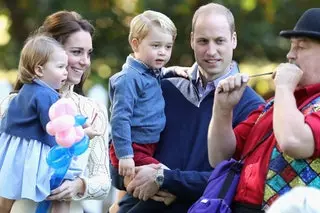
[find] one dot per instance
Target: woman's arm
(95, 183)
(97, 179)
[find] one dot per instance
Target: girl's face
(78, 47)
(54, 72)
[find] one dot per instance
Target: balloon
(66, 138)
(63, 106)
(58, 157)
(52, 112)
(81, 146)
(80, 120)
(79, 133)
(51, 131)
(63, 123)
(66, 126)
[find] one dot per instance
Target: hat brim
(300, 33)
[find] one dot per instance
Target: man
(183, 143)
(290, 156)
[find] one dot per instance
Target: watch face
(160, 179)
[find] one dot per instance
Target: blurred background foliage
(258, 23)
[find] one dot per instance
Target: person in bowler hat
(290, 154)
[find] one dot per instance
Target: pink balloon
(50, 129)
(63, 106)
(66, 138)
(66, 106)
(63, 123)
(79, 133)
(52, 112)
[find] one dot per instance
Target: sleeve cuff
(167, 177)
(85, 194)
(126, 157)
(311, 121)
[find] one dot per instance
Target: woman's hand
(67, 190)
(88, 130)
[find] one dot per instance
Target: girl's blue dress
(24, 172)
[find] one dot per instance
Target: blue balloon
(80, 147)
(59, 158)
(80, 120)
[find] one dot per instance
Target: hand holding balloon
(66, 126)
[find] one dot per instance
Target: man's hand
(163, 196)
(287, 75)
(230, 90)
(143, 186)
(126, 167)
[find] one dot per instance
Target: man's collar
(307, 91)
(195, 75)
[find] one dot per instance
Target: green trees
(258, 23)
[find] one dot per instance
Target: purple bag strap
(236, 168)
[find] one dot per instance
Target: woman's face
(78, 47)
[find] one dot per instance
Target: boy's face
(155, 49)
(54, 72)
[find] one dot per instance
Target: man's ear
(191, 40)
(134, 44)
(39, 71)
(234, 40)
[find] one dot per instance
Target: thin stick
(261, 74)
(94, 118)
(252, 76)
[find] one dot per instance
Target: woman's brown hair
(60, 26)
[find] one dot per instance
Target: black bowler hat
(307, 26)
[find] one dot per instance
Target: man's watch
(159, 177)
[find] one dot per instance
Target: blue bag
(222, 185)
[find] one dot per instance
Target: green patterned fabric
(285, 172)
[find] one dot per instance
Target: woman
(75, 34)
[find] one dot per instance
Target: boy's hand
(179, 71)
(182, 71)
(126, 167)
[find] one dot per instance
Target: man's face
(305, 53)
(213, 45)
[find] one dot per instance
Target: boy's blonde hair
(141, 24)
(36, 52)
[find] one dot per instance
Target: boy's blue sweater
(183, 144)
(137, 107)
(27, 114)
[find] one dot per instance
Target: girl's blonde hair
(36, 52)
(141, 24)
